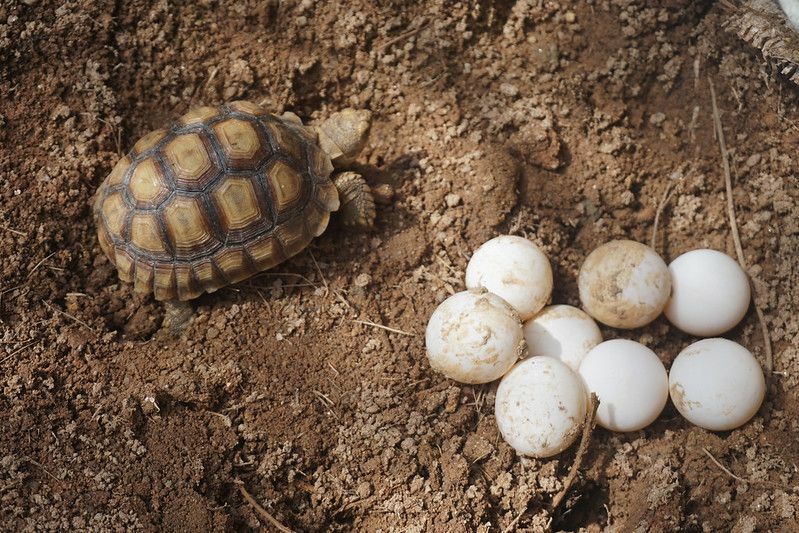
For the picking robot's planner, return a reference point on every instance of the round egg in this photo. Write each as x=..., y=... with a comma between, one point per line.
x=563, y=332
x=540, y=407
x=515, y=269
x=630, y=382
x=716, y=384
x=474, y=336
x=624, y=284
x=709, y=293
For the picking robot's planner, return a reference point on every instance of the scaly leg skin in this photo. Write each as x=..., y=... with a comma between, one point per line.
x=177, y=315
x=357, y=201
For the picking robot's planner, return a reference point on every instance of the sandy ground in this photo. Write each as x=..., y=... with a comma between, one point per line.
x=565, y=124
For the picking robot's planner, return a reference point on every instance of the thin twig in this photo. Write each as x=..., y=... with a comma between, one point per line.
x=661, y=206
x=401, y=37
x=327, y=402
x=15, y=231
x=319, y=270
x=263, y=513
x=76, y=319
x=734, y=229
x=588, y=429
x=278, y=274
x=40, y=264
x=589, y=422
x=392, y=330
x=40, y=465
x=723, y=468
x=15, y=352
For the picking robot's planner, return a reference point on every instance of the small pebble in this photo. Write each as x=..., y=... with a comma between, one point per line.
x=509, y=89
x=452, y=200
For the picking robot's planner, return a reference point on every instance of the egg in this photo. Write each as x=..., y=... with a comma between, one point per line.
x=515, y=269
x=709, y=293
x=630, y=381
x=716, y=384
x=624, y=284
x=540, y=407
x=474, y=336
x=563, y=332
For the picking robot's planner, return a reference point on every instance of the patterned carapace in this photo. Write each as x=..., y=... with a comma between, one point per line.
x=223, y=194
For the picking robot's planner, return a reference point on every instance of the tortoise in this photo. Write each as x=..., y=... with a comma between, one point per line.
x=225, y=193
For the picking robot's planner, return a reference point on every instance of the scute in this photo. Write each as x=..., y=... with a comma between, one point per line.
x=222, y=194
x=293, y=236
x=288, y=142
x=237, y=204
x=208, y=275
x=143, y=277
x=286, y=184
x=198, y=115
x=188, y=229
x=234, y=264
x=149, y=140
x=164, y=281
x=147, y=184
x=190, y=161
x=265, y=252
x=118, y=173
x=243, y=145
x=115, y=212
x=145, y=233
x=247, y=107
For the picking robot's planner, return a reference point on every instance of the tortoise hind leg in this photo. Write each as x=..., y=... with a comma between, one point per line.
x=177, y=315
x=357, y=201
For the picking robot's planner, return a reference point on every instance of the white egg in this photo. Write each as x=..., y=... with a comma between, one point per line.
x=624, y=284
x=563, y=332
x=716, y=384
x=474, y=337
x=709, y=293
x=630, y=382
x=515, y=269
x=540, y=407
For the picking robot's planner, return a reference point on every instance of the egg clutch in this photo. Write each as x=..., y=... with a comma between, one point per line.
x=551, y=358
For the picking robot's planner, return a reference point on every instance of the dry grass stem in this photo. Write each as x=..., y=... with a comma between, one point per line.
x=722, y=467
x=76, y=319
x=392, y=330
x=667, y=194
x=769, y=356
x=18, y=350
x=40, y=263
x=14, y=231
x=588, y=430
x=263, y=513
x=40, y=465
x=401, y=37
x=589, y=423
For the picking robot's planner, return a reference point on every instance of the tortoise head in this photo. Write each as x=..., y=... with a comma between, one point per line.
x=344, y=134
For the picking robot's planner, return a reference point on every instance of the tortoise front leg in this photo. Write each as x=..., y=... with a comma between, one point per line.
x=357, y=201
x=177, y=315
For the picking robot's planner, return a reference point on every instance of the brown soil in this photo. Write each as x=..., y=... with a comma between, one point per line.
x=565, y=125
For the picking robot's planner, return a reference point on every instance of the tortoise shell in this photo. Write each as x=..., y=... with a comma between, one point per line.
x=224, y=193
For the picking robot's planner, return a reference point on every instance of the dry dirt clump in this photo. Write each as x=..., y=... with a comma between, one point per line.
x=563, y=124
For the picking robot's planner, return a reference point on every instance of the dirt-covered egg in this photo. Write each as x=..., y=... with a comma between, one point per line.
x=474, y=336
x=540, y=406
x=630, y=381
x=624, y=284
x=716, y=384
x=709, y=293
x=563, y=332
x=515, y=269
